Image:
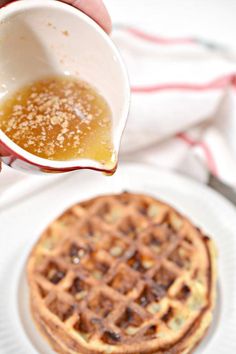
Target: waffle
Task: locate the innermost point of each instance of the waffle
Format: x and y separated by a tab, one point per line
122	274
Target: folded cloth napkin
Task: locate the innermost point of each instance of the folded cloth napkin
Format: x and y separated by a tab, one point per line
183	107
183	103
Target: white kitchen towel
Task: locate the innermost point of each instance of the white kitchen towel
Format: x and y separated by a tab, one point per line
183	102
183	107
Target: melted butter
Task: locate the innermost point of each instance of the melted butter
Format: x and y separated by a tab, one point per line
60	118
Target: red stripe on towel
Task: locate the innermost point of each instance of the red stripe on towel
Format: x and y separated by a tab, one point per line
158	40
209	157
218	83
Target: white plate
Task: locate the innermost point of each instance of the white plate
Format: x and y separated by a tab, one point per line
21	225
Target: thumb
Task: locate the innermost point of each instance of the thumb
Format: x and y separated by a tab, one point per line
94	9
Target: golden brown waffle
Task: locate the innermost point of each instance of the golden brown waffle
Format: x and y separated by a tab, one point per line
122	274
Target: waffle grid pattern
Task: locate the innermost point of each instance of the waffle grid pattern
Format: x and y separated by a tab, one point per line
122	270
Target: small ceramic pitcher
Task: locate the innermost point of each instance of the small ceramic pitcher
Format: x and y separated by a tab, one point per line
33	45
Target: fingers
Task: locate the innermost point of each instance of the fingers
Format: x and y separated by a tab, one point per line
4	2
94	9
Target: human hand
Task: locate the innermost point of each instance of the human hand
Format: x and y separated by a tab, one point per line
94	9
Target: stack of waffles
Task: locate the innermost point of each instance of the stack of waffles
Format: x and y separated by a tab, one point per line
122	274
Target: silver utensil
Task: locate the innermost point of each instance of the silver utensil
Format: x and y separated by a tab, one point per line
222	188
